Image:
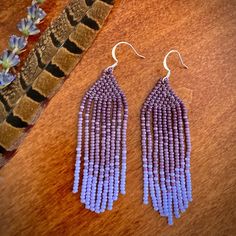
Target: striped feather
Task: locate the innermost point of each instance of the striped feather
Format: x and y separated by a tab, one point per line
45	70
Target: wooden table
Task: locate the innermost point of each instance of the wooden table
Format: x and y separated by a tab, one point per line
36	184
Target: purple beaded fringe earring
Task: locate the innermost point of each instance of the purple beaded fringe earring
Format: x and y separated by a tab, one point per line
102	124
166	150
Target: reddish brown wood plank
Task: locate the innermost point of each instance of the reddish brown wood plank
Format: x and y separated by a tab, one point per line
36	184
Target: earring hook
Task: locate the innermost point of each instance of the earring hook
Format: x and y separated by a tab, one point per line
114	53
166	66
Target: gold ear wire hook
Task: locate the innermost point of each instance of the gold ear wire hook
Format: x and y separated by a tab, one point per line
166	66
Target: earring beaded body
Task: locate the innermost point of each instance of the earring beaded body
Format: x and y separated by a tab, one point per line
103	114
102	125
166	152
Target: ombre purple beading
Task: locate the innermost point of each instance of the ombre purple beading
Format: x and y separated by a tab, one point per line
102	124
166	152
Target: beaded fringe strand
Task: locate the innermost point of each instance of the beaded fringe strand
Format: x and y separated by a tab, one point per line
102	124
166	152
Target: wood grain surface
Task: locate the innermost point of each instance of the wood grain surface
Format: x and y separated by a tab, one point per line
35	186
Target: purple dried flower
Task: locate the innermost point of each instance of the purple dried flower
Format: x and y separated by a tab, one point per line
6	78
27	27
16	44
35	13
9	59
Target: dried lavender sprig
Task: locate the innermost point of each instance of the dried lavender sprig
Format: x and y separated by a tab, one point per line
35	13
8	60
17	44
6	78
27	26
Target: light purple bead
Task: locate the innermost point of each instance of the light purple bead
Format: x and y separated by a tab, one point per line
166	151
102	158
167	164
177	160
112	162
97	152
86	152
172	163
156	161
188	150
123	147
107	153
91	154
182	157
150	161
102	126
117	151
79	147
162	168
144	158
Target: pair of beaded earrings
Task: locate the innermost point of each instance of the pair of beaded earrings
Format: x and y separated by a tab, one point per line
102	124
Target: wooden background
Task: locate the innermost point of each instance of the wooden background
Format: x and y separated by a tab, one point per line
35	186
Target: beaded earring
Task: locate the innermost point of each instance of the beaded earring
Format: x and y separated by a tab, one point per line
102	124
166	149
